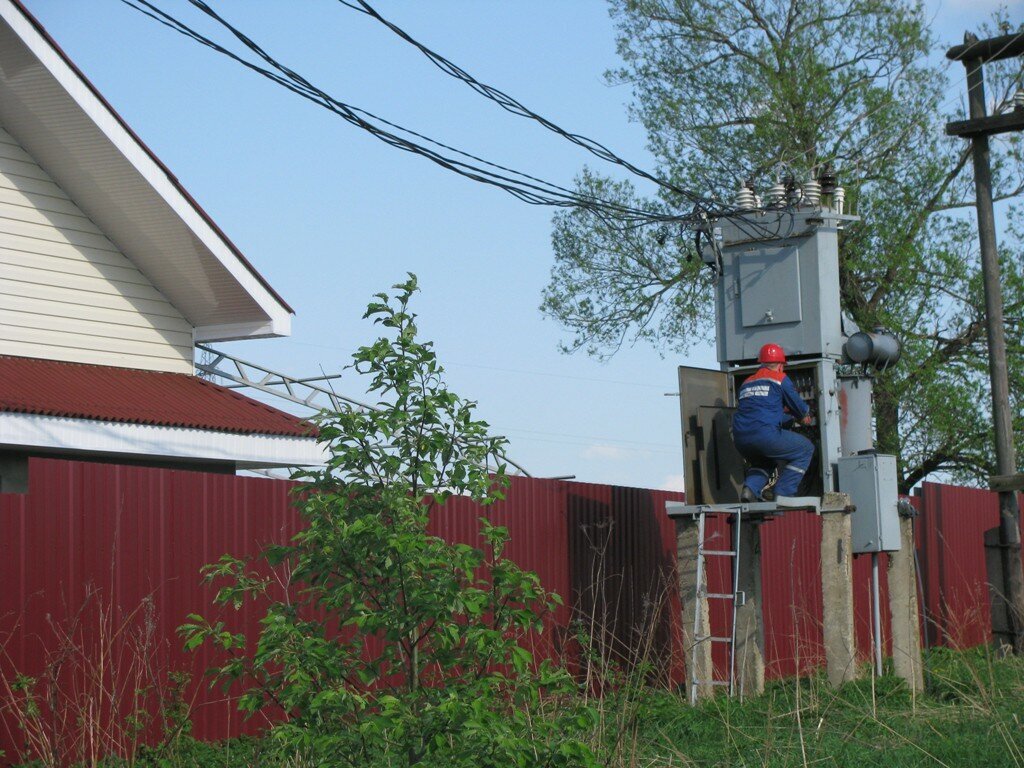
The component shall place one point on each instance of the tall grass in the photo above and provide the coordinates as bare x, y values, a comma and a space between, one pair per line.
101, 690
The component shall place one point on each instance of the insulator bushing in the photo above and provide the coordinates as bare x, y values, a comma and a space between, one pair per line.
811, 194
839, 198
745, 199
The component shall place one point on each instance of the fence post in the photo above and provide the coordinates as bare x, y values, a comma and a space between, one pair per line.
903, 612
837, 590
698, 658
749, 618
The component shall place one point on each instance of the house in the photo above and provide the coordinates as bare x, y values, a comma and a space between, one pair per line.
110, 272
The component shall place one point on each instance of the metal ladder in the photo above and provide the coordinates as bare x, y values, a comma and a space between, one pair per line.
738, 598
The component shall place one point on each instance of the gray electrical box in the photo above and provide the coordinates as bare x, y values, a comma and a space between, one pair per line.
780, 284
871, 482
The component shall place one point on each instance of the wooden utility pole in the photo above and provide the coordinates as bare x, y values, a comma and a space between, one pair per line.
974, 54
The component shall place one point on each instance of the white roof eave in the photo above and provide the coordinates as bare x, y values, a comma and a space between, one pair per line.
26, 431
143, 209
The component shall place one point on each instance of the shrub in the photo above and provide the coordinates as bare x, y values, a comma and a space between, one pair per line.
391, 646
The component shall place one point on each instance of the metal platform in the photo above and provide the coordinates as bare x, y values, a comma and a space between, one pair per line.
830, 502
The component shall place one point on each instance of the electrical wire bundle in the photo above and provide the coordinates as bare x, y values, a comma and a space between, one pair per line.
525, 187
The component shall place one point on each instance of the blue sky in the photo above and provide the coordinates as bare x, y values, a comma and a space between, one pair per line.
330, 216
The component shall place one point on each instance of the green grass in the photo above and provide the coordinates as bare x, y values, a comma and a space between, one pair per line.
970, 715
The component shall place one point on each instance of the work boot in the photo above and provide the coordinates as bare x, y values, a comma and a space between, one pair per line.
747, 496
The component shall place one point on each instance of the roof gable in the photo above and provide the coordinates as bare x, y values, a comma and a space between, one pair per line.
91, 153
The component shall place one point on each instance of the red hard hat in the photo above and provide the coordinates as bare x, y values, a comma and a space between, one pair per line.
771, 353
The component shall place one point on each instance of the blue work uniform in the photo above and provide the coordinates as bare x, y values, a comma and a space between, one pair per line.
757, 429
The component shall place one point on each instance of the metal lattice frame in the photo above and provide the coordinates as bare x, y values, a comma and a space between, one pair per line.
308, 392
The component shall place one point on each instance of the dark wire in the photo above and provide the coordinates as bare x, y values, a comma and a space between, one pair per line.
527, 188
539, 193
516, 107
512, 105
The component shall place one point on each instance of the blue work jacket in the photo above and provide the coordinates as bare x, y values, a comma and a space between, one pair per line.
762, 399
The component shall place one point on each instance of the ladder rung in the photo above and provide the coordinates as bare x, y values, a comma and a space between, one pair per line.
710, 682
718, 552
721, 595
714, 639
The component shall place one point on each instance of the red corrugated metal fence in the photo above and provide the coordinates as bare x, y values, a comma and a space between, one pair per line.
98, 548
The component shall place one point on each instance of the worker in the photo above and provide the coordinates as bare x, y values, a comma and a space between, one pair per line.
768, 403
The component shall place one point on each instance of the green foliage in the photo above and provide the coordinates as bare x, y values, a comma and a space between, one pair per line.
731, 89
867, 723
383, 644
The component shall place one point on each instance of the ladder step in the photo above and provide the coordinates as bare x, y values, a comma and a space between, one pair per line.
714, 639
718, 552
710, 682
721, 595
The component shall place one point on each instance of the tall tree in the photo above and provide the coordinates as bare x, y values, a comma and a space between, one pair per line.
731, 89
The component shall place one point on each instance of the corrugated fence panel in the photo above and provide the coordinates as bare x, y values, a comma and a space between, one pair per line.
791, 590
863, 611
98, 550
953, 560
622, 566
533, 511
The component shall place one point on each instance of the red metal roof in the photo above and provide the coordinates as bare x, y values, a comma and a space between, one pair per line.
106, 393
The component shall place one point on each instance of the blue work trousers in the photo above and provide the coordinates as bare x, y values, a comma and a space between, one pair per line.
771, 447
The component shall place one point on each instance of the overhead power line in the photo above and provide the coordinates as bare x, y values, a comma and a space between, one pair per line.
523, 186
510, 104
530, 189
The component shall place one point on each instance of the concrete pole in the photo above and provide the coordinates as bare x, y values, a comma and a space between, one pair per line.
1009, 515
903, 610
694, 607
749, 618
837, 595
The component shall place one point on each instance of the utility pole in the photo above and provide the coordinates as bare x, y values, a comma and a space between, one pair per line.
974, 54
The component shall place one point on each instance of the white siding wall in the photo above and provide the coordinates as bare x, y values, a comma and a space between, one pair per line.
66, 292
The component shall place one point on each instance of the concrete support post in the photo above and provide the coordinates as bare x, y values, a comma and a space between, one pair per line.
698, 657
749, 618
903, 611
837, 597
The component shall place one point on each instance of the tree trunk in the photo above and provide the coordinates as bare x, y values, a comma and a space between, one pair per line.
887, 435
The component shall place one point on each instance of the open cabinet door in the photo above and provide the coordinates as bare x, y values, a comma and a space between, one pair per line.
713, 468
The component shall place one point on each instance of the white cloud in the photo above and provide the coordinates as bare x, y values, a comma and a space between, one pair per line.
608, 452
672, 483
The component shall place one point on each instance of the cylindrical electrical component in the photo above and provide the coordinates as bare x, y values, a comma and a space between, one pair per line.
827, 181
811, 194
777, 194
876, 348
839, 198
745, 198
855, 433
1018, 100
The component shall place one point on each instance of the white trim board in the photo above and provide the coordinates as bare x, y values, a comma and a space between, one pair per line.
26, 430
